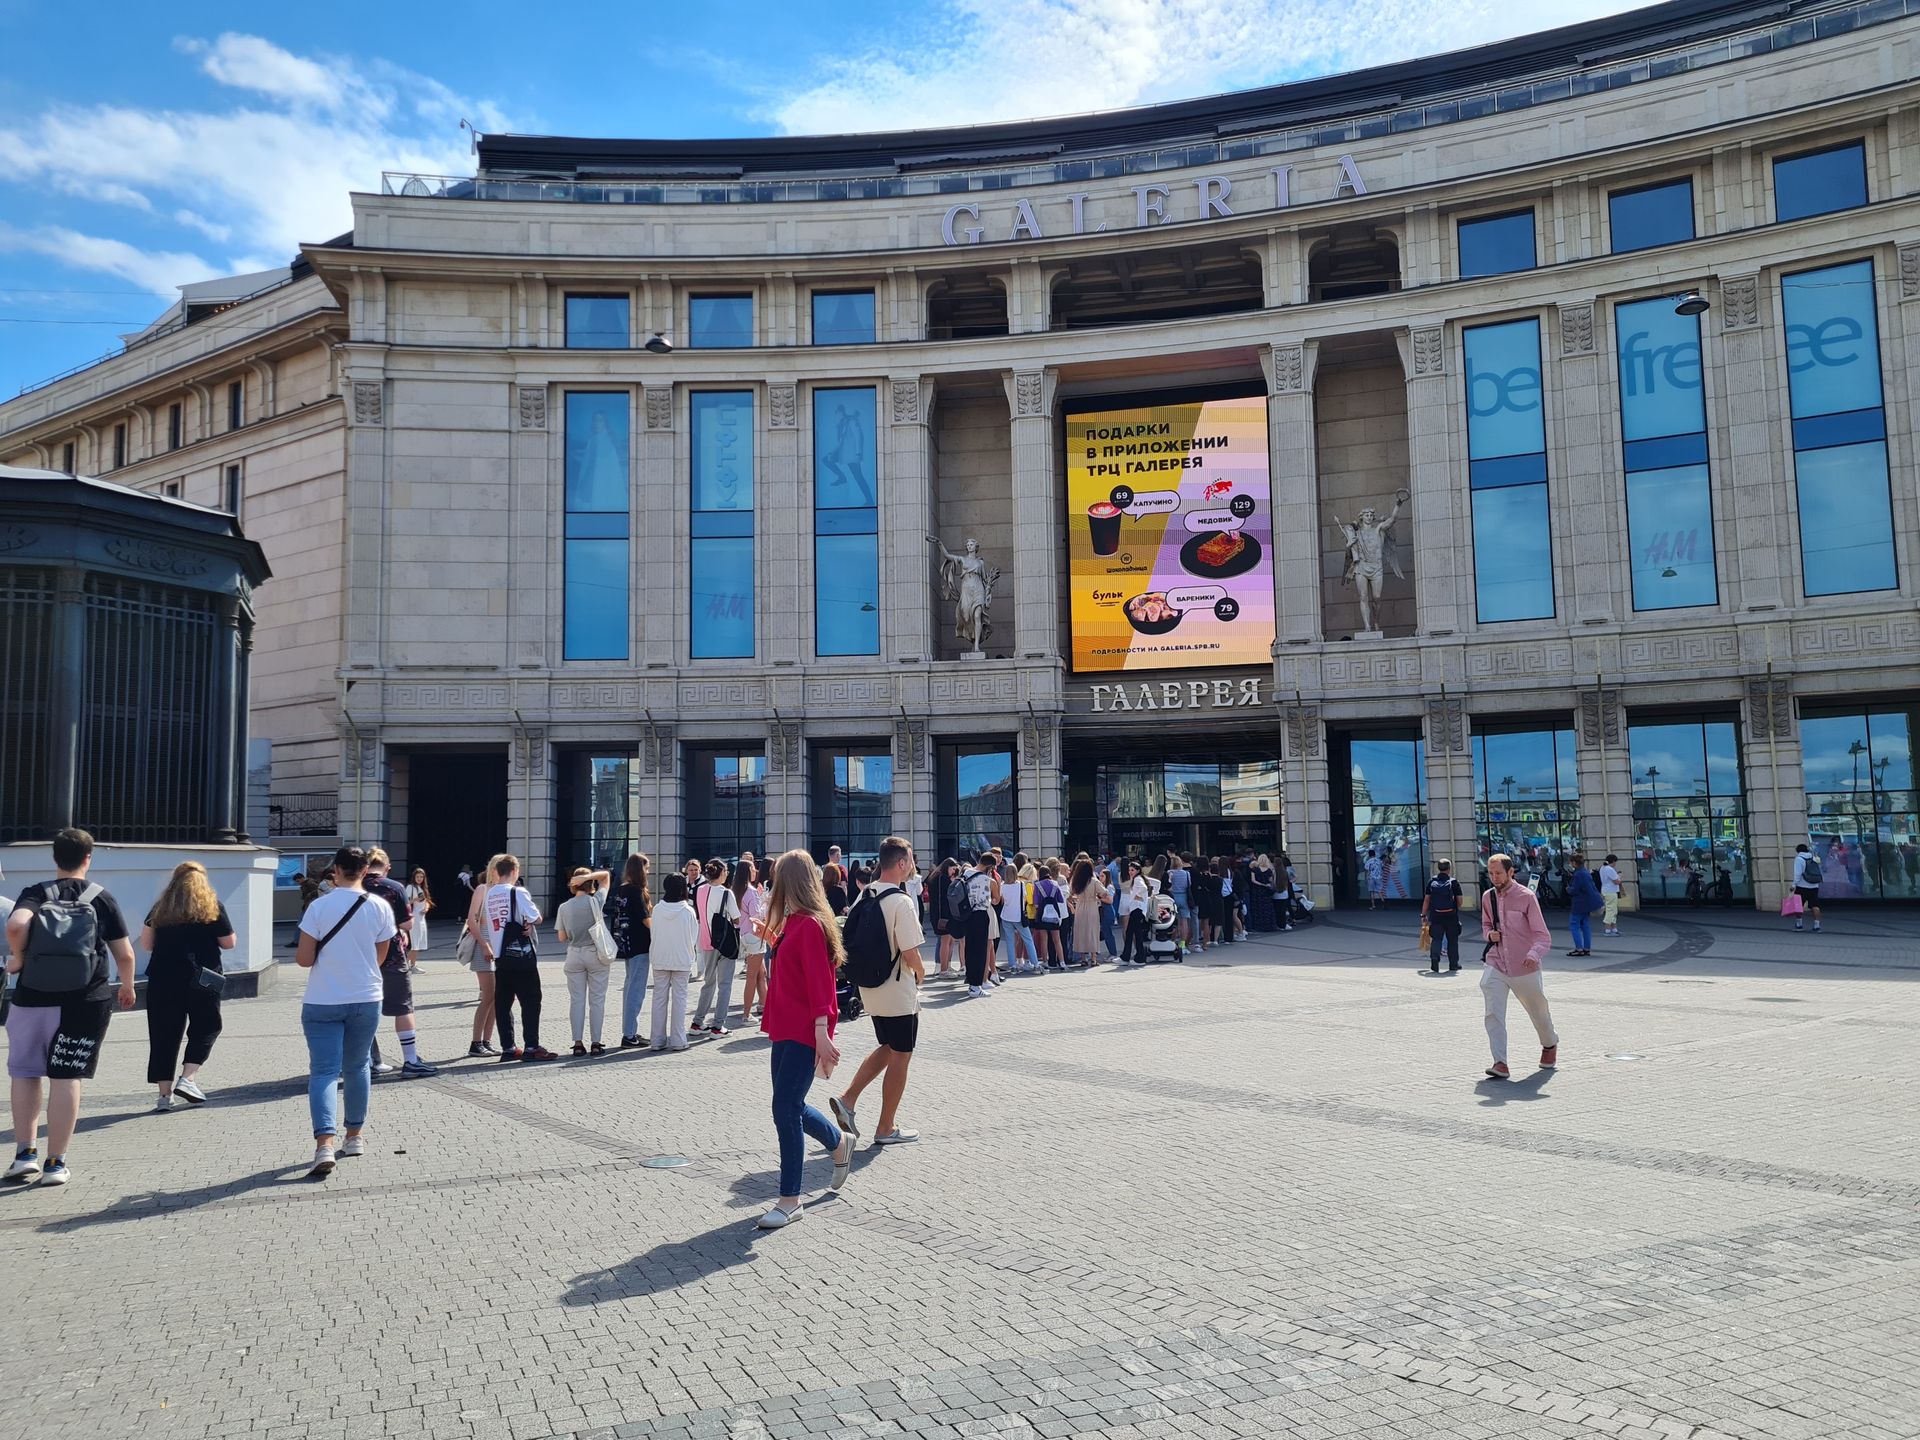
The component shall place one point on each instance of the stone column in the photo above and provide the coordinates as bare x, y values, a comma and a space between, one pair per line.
534, 545
1442, 563
906, 519
1754, 566
367, 492
660, 545
228, 704
1303, 785
1604, 772
1586, 485
1291, 447
363, 786
783, 534
1042, 821
530, 808
913, 793
1037, 554
1775, 787
66, 697
660, 797
1451, 833
786, 787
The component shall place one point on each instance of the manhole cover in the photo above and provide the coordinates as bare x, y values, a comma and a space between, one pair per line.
664, 1162
1626, 1057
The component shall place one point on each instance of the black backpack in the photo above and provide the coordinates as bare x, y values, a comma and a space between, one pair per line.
518, 949
1811, 872
62, 943
721, 930
871, 959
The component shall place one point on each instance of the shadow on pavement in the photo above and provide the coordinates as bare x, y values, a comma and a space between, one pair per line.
1495, 1093
144, 1206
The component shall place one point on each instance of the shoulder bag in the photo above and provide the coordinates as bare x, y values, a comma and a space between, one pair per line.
597, 932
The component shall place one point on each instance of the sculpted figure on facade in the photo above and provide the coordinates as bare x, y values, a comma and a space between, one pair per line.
1370, 553
968, 580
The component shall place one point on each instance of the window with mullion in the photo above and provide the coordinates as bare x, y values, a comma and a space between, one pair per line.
1507, 472
597, 526
846, 523
720, 573
1663, 430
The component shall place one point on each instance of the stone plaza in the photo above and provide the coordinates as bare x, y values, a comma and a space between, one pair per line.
1264, 1193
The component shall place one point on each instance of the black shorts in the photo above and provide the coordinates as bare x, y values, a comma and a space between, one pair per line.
896, 1032
1809, 894
396, 991
60, 1042
1049, 925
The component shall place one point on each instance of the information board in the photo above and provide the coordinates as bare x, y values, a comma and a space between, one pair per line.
1170, 526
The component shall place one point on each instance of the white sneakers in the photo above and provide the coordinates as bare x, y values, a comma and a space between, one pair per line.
189, 1092
779, 1217
351, 1146
322, 1162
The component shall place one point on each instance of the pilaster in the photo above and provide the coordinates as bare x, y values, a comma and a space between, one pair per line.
1756, 533
1591, 517
1775, 786
662, 804
1042, 819
914, 799
906, 519
783, 530
367, 492
1451, 832
1438, 529
1296, 491
534, 472
786, 787
661, 549
530, 808
1305, 800
1604, 772
1037, 551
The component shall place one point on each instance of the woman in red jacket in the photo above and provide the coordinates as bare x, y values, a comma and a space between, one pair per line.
801, 1011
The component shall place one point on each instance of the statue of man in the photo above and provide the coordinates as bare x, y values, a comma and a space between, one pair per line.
1369, 552
969, 581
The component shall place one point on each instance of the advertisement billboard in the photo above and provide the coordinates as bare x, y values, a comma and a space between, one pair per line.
1170, 536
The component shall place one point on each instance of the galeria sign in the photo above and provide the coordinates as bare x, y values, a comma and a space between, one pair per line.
1178, 695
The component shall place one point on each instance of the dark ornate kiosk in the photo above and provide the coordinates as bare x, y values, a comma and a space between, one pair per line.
126, 625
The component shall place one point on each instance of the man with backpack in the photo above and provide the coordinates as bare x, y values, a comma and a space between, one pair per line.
59, 936
1440, 913
1807, 876
882, 938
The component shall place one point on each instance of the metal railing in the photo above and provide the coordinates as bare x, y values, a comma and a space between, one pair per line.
315, 813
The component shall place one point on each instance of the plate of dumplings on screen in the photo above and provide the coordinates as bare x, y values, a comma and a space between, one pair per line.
1220, 555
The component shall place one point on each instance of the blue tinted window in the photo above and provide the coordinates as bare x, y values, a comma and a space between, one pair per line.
1663, 422
597, 322
1497, 245
843, 317
1660, 389
846, 551
721, 551
1670, 530
1505, 415
598, 510
1821, 182
1651, 215
1507, 472
1512, 554
846, 572
720, 322
1840, 454
843, 449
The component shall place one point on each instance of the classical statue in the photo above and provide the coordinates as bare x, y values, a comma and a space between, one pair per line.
1370, 551
969, 581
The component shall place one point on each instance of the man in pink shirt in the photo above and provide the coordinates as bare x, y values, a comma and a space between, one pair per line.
1517, 940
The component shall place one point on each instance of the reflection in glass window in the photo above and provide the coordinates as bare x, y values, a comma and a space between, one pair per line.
1497, 244
1507, 472
1250, 787
720, 322
852, 799
1650, 215
726, 804
846, 523
1526, 800
1839, 430
977, 801
1389, 790
1820, 182
1663, 426
597, 521
597, 322
720, 571
843, 317
1689, 809
595, 826
1863, 815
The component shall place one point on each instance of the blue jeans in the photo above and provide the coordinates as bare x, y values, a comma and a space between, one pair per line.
1582, 928
793, 1118
1011, 937
339, 1041
633, 994
1107, 940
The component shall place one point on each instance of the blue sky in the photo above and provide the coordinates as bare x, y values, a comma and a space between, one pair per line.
142, 147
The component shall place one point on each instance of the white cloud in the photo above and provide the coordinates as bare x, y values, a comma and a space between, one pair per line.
159, 271
261, 174
982, 61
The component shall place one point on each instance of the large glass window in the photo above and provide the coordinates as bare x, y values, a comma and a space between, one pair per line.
1689, 810
599, 506
843, 317
1210, 805
597, 322
977, 804
852, 799
1839, 430
1650, 215
720, 322
1820, 181
595, 821
726, 803
1497, 244
846, 524
1863, 817
1663, 427
1526, 799
1388, 780
1507, 473
721, 562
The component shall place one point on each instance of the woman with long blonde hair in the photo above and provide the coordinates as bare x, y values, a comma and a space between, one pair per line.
481, 963
184, 935
802, 1011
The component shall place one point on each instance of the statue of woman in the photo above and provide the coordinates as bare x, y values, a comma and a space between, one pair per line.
968, 580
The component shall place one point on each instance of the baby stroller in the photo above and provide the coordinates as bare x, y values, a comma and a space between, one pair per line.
1302, 912
1163, 941
848, 995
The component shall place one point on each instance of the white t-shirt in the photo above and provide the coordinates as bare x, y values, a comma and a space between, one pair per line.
1013, 901
347, 971
1134, 895
980, 890
1609, 880
901, 994
504, 901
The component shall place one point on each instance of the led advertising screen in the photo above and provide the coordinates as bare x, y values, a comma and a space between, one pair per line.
1170, 525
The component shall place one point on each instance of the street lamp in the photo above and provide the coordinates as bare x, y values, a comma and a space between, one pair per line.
1692, 302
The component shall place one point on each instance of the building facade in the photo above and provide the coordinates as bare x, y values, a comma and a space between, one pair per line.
1613, 329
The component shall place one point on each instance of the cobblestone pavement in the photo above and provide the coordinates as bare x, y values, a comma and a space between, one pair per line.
1263, 1193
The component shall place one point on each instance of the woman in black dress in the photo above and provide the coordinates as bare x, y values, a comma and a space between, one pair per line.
184, 935
1260, 888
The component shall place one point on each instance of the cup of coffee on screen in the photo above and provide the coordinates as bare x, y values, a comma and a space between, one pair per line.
1103, 524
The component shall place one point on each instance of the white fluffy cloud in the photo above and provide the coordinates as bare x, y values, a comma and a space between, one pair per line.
257, 176
980, 61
